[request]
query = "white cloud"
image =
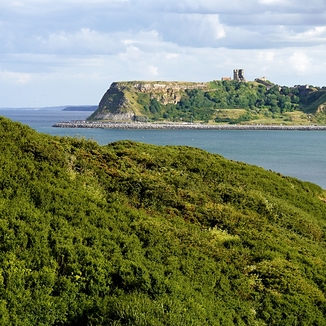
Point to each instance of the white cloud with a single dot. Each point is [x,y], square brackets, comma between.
[47,11]
[131,53]
[171,56]
[195,6]
[153,70]
[22,3]
[16,3]
[318,32]
[213,22]
[300,62]
[205,26]
[15,77]
[90,1]
[231,7]
[197,30]
[87,41]
[84,41]
[271,2]
[151,38]
[266,55]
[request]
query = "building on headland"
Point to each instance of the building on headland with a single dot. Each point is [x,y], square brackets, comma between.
[301,87]
[261,79]
[264,81]
[238,75]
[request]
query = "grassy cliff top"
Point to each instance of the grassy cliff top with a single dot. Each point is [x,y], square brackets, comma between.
[158,82]
[136,234]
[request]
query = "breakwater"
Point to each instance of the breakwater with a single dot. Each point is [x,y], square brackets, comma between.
[178,126]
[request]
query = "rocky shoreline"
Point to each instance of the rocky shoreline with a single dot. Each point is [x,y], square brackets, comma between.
[178,126]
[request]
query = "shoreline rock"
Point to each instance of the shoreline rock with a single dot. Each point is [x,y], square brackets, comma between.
[178,126]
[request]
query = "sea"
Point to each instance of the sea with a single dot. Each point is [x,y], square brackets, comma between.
[300,154]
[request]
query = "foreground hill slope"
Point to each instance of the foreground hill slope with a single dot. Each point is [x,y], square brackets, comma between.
[136,234]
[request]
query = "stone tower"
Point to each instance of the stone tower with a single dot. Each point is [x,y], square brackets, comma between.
[238,75]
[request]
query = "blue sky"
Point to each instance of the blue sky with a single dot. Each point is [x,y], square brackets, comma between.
[68,52]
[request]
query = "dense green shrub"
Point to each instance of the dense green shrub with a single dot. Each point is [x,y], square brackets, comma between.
[135,234]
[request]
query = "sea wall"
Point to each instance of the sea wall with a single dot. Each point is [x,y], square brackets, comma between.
[178,126]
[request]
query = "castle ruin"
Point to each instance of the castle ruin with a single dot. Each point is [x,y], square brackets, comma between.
[238,75]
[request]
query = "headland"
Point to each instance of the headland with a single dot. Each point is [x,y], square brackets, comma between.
[219,104]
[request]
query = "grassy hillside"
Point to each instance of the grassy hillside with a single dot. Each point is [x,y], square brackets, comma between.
[313,100]
[314,104]
[136,234]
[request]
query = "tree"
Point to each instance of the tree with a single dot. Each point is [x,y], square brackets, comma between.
[154,106]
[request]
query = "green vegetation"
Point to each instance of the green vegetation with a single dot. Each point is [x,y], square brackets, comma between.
[202,105]
[136,234]
[312,99]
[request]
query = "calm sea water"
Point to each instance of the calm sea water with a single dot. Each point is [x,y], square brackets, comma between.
[301,154]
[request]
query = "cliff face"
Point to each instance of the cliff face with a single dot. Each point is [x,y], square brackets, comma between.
[167,92]
[125,101]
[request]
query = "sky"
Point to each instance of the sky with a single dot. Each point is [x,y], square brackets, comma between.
[68,52]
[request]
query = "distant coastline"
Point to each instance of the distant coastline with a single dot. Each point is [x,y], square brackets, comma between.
[81,108]
[179,126]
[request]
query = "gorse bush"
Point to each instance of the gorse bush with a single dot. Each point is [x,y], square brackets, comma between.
[136,234]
